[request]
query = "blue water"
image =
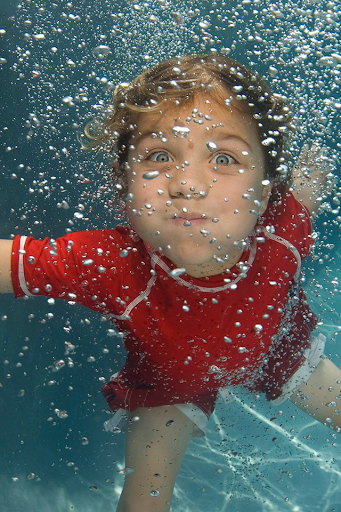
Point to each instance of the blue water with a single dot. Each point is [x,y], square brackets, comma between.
[255,457]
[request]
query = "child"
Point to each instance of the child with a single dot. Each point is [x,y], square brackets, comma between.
[204,279]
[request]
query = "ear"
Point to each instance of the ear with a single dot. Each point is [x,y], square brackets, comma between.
[265,197]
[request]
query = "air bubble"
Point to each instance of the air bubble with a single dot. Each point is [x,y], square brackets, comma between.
[177,70]
[101,51]
[150,175]
[58,365]
[39,37]
[213,369]
[181,131]
[126,471]
[330,61]
[178,18]
[176,272]
[205,232]
[155,493]
[87,262]
[204,24]
[212,146]
[268,141]
[61,414]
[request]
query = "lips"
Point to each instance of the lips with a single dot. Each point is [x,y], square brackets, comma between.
[190,216]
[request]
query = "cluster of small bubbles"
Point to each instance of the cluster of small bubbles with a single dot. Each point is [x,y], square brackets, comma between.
[61,414]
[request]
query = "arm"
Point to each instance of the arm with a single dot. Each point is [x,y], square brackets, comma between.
[5,266]
[312,176]
[321,395]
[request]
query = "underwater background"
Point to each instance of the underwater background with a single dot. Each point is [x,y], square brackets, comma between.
[59,63]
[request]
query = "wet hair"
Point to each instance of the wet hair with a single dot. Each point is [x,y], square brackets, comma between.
[176,82]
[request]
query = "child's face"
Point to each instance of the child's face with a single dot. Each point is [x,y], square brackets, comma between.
[196,182]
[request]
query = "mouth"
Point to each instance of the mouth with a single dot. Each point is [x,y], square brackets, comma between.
[188,219]
[189,216]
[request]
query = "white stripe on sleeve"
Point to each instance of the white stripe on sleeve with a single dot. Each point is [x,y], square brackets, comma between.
[21,272]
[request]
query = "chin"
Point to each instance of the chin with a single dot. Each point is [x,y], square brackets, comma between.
[188,259]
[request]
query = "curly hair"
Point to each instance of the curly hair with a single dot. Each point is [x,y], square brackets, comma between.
[177,81]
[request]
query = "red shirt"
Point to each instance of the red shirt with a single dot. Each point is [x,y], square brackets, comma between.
[185,337]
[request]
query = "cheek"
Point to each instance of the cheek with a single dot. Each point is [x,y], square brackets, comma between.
[146,199]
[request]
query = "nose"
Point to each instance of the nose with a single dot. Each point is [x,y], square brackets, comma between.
[188,184]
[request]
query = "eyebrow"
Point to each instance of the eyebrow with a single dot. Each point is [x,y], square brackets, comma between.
[143,136]
[219,137]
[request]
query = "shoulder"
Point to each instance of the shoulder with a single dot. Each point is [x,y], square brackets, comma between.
[73,248]
[120,234]
[110,240]
[290,219]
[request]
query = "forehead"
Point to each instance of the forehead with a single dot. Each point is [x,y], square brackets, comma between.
[206,112]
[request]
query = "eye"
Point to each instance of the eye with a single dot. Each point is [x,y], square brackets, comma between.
[223,159]
[159,156]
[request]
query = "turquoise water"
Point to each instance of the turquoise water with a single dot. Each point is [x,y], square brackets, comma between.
[59,62]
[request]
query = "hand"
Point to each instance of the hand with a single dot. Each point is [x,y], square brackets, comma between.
[312,177]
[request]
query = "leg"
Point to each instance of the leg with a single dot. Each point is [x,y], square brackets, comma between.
[319,397]
[155,452]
